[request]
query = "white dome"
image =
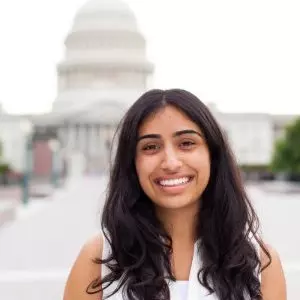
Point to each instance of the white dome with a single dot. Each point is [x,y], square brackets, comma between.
[105,14]
[105,55]
[105,33]
[96,6]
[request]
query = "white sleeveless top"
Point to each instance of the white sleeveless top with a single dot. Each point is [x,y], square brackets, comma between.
[179,290]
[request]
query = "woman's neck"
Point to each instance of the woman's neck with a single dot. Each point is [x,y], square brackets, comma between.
[180,224]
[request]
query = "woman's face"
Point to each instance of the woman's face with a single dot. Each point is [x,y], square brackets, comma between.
[172,159]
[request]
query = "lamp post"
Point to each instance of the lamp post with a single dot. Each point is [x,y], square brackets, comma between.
[54,146]
[26,127]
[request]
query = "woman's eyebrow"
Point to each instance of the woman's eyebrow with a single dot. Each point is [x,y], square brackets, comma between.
[187,131]
[149,136]
[175,134]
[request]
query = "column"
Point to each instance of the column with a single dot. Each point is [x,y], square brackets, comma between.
[92,141]
[62,135]
[81,138]
[87,146]
[101,146]
[72,137]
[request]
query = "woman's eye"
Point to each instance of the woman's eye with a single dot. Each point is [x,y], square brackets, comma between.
[151,147]
[187,144]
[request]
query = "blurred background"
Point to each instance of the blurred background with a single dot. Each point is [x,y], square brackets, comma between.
[70,69]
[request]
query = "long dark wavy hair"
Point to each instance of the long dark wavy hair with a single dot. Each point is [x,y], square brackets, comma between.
[227,223]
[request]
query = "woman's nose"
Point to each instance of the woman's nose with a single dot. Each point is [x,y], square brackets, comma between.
[171,161]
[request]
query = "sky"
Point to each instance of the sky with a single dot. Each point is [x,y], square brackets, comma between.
[242,55]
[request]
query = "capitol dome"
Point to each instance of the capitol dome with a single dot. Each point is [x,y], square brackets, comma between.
[105,14]
[105,31]
[97,6]
[105,68]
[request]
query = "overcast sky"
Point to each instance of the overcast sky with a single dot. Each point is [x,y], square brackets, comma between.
[242,55]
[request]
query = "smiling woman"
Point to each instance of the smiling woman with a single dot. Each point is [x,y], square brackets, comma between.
[172,159]
[177,222]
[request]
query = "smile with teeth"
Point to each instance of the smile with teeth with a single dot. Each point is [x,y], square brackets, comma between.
[174,182]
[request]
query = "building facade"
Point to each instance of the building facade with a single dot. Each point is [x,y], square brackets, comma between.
[105,69]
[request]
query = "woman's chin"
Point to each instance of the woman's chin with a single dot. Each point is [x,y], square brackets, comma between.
[175,202]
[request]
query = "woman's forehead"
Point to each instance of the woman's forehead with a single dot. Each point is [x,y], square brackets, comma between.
[167,119]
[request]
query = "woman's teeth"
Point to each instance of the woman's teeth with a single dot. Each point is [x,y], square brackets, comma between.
[174,182]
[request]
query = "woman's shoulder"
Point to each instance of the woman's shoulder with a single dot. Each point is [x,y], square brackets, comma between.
[273,283]
[84,270]
[93,246]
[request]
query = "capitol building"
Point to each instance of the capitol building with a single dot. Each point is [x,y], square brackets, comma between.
[104,70]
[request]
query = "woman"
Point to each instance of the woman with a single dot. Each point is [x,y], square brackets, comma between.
[177,223]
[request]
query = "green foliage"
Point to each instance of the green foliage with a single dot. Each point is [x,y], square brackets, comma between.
[254,168]
[4,168]
[286,157]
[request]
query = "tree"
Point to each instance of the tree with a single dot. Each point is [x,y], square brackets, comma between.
[286,157]
[1,153]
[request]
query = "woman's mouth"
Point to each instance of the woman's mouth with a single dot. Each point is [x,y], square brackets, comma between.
[174,185]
